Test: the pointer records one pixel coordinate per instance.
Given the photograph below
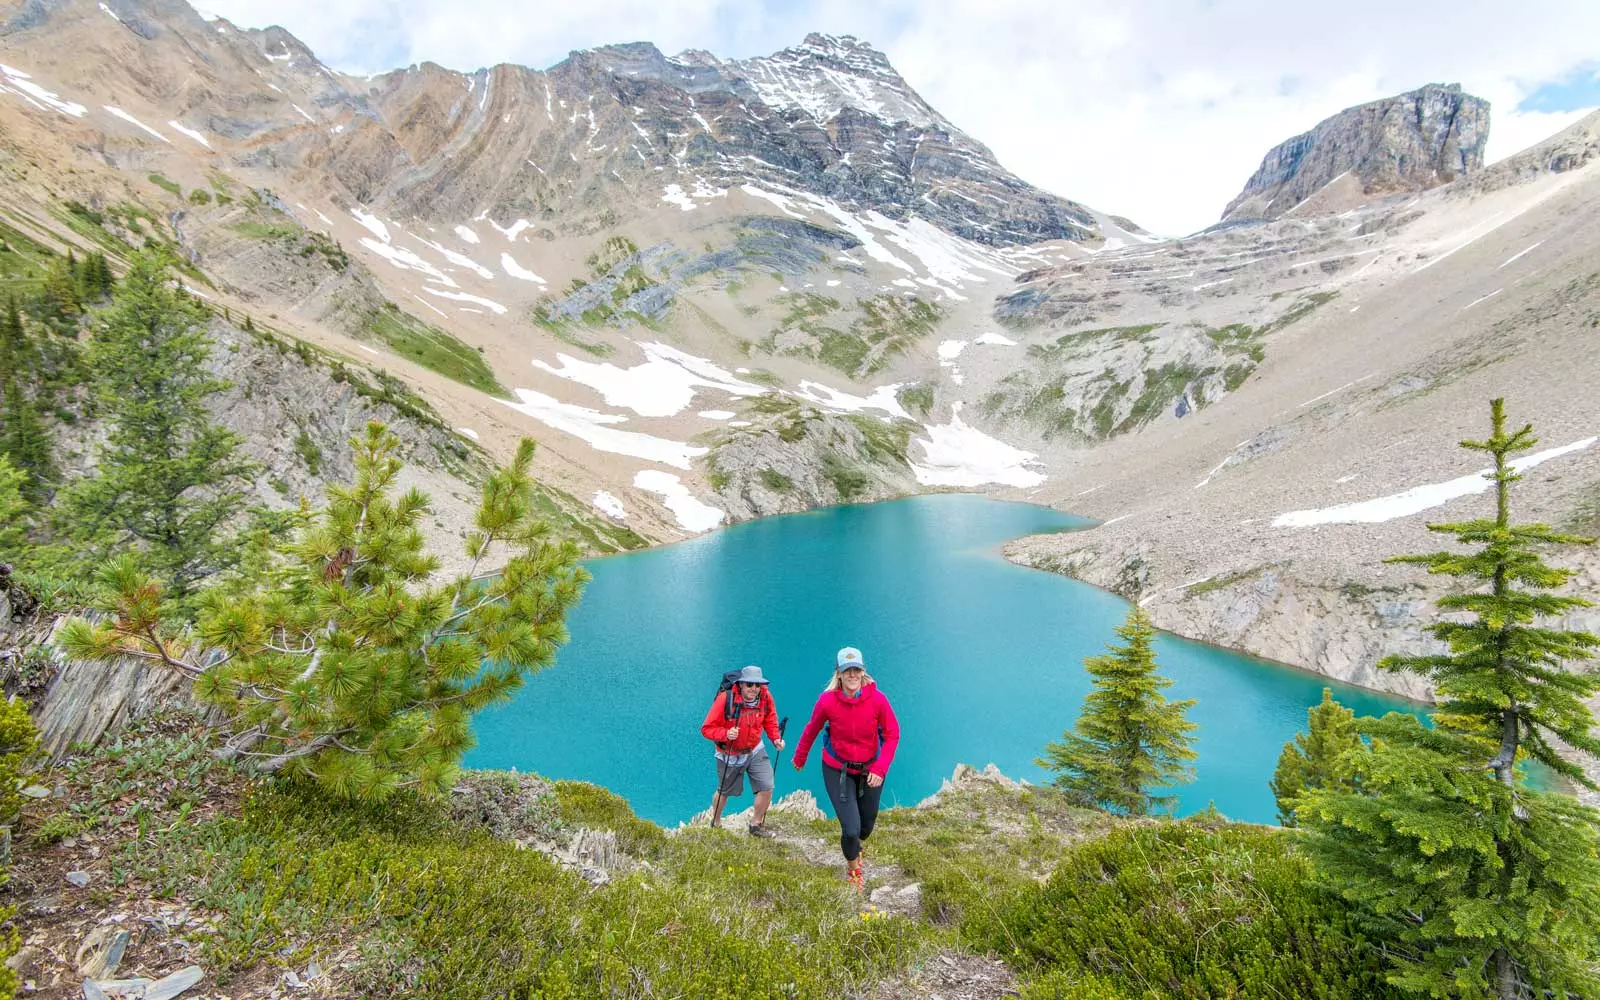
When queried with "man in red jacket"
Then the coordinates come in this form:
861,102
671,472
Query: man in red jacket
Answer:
739,750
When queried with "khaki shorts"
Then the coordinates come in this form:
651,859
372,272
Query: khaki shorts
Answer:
758,765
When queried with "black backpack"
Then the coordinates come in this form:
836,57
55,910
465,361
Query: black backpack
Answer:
729,689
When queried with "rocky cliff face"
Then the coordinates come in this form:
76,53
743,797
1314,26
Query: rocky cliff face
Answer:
1410,142
565,147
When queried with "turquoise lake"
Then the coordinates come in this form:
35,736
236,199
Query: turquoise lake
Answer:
982,660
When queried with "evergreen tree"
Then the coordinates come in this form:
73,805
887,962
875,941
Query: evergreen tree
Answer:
1129,740
1491,888
348,667
13,512
59,306
167,478
94,278
1316,758
23,437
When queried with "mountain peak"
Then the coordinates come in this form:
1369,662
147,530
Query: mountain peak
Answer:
825,74
1409,142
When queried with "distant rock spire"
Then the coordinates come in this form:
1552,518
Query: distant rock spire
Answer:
1411,142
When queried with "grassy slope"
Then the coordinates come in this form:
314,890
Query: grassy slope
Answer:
412,898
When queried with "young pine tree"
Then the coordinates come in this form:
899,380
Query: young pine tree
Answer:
1129,740
1489,887
167,479
13,512
1316,758
23,437
349,667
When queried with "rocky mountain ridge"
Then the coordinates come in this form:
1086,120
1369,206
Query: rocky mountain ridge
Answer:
716,289
1410,142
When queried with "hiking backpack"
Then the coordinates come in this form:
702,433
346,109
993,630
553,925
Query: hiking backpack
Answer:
730,695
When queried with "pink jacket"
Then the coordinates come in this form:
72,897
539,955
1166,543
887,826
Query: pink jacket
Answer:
859,728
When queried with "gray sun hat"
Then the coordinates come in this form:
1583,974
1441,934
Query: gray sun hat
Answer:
849,659
752,675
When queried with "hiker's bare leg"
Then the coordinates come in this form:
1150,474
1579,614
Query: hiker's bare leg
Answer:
763,799
717,803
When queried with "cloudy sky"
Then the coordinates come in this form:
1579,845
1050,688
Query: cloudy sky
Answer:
1155,109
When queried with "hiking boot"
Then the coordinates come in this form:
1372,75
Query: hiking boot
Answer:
760,830
856,877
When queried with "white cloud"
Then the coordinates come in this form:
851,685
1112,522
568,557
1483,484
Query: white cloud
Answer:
1156,111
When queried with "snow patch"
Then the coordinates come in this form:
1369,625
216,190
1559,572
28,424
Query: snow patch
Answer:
1512,259
467,234
1341,388
594,428
119,113
662,386
691,513
955,454
609,505
111,12
996,339
191,133
509,265
718,414
467,432
430,305
21,84
1482,298
490,304
949,350
303,113
1418,498
459,259
405,259
512,231
373,223
673,194
882,398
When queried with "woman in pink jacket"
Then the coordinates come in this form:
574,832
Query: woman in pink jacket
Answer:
858,746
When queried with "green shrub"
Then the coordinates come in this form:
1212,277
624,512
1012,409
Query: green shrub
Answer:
308,451
916,398
167,184
772,479
583,804
19,740
199,196
849,481
437,911
1191,911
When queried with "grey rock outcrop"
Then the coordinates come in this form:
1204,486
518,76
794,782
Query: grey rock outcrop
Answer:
802,458
1411,142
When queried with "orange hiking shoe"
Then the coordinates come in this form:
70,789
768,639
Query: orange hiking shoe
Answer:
857,879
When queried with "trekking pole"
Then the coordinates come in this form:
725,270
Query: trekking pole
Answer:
783,724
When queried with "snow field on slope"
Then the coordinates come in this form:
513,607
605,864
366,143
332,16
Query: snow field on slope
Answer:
955,454
693,514
609,505
20,83
662,386
1418,498
119,113
595,428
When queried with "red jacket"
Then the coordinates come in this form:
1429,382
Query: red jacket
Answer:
854,727
752,722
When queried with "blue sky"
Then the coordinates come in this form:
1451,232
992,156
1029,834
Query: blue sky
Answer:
1580,89
1154,109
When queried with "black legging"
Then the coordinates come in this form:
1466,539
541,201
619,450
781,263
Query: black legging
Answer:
855,803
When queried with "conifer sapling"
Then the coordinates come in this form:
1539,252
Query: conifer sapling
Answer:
1486,886
351,668
1316,758
1129,740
